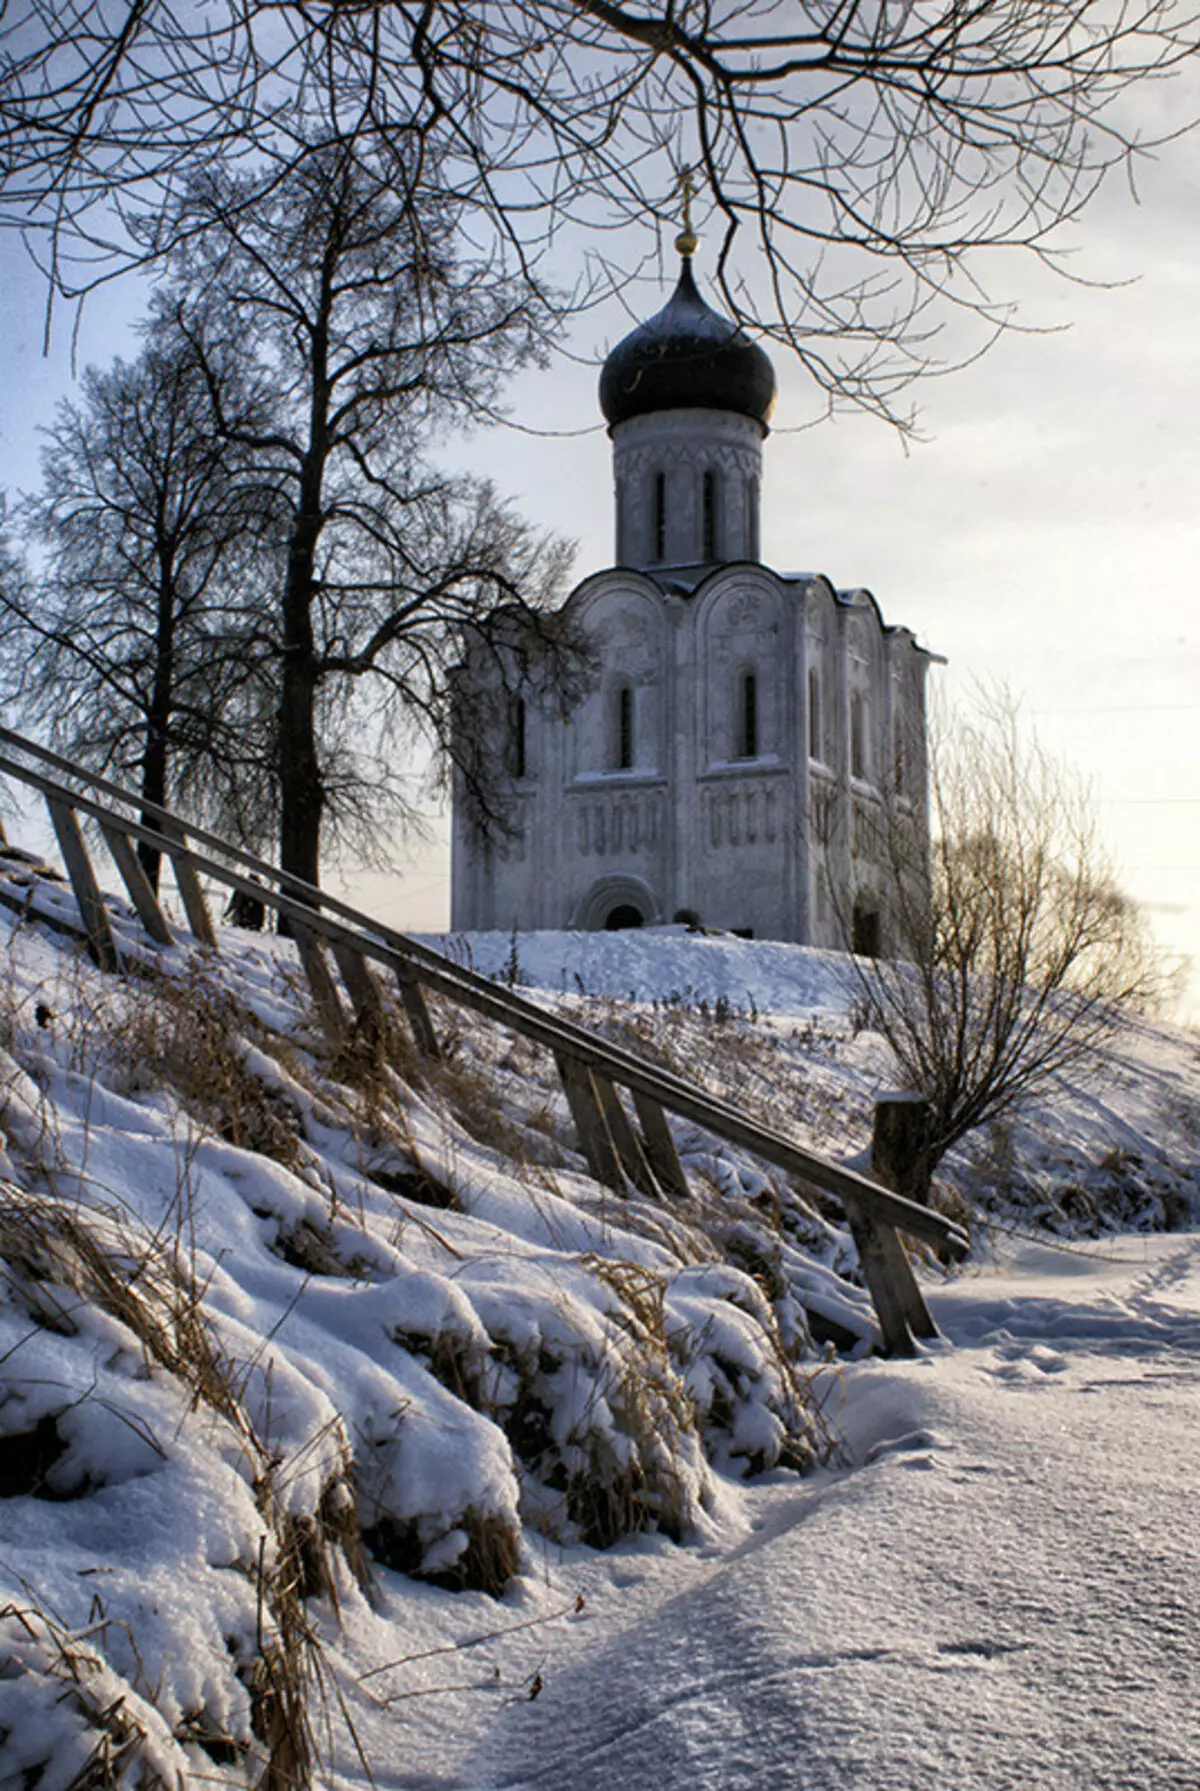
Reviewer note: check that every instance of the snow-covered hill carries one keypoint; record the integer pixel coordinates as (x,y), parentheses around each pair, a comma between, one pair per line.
(307,1359)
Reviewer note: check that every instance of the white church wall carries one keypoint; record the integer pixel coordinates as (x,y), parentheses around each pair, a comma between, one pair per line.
(745,874)
(613,814)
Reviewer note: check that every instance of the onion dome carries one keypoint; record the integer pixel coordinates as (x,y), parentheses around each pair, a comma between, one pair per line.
(687,358)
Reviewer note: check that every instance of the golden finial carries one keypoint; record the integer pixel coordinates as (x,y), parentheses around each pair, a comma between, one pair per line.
(687,242)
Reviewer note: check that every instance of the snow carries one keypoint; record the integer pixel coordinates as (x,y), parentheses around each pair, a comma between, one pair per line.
(997,1589)
(240,1292)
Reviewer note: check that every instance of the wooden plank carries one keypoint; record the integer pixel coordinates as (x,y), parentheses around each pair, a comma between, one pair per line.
(141,894)
(363,991)
(625,1140)
(187,881)
(326,999)
(417,1009)
(899,1303)
(92,911)
(660,1149)
(58,923)
(594,1139)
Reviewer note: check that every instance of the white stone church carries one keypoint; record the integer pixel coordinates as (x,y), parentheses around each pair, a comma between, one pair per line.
(747,728)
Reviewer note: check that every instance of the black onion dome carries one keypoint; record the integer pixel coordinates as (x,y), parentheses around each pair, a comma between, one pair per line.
(687,358)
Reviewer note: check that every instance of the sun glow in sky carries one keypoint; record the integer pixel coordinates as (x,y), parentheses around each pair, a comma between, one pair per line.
(1045,531)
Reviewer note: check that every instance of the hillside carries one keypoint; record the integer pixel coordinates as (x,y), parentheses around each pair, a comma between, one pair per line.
(308,1359)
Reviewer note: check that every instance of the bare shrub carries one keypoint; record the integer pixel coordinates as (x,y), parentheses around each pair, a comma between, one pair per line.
(1016,956)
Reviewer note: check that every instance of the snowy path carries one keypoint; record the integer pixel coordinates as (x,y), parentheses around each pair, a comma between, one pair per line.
(1006,1596)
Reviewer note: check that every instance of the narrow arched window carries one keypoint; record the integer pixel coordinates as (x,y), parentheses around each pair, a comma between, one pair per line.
(709,517)
(752,519)
(814,714)
(624,732)
(519,739)
(747,715)
(660,516)
(858,735)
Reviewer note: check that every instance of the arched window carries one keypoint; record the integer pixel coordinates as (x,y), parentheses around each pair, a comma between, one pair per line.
(746,719)
(660,516)
(859,762)
(752,519)
(518,755)
(623,729)
(708,549)
(866,931)
(815,750)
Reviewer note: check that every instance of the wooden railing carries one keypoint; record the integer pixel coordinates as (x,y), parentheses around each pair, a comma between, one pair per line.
(624,1149)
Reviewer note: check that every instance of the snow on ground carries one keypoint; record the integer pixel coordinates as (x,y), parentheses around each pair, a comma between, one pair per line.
(1121,1146)
(296,1352)
(998,1591)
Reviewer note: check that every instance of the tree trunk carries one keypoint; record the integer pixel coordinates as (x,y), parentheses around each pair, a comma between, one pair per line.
(302,796)
(158,715)
(301,786)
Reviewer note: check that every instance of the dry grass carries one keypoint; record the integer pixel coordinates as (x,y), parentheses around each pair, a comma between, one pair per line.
(56,1260)
(190,1033)
(122,1749)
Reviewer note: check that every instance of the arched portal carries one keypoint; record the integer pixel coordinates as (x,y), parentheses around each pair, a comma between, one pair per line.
(615,903)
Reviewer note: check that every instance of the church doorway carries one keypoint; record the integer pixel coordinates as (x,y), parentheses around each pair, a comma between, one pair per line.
(622,916)
(615,903)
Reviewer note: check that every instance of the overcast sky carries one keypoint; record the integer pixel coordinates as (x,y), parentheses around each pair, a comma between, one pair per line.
(1046,531)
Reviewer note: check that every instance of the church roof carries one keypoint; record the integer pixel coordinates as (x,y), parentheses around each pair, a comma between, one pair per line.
(687,357)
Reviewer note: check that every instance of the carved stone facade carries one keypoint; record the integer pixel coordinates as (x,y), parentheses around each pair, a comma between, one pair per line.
(762,815)
(748,732)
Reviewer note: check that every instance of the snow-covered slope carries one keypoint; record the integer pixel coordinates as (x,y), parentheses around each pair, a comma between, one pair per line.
(306,1359)
(1118,1145)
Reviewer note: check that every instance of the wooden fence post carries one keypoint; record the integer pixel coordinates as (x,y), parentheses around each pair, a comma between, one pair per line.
(660,1148)
(188,884)
(419,1019)
(363,991)
(898,1300)
(92,911)
(625,1141)
(324,990)
(594,1139)
(900,1141)
(141,892)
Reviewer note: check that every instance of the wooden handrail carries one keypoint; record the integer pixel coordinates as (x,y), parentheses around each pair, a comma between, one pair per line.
(355,936)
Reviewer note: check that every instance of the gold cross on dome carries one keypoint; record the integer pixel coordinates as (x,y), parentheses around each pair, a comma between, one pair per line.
(687,242)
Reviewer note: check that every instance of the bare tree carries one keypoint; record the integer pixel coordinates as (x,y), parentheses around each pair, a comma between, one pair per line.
(867,155)
(368,333)
(1016,956)
(133,647)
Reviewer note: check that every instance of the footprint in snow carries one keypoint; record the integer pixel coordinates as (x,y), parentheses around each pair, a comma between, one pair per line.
(908,1444)
(1025,1362)
(984,1648)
